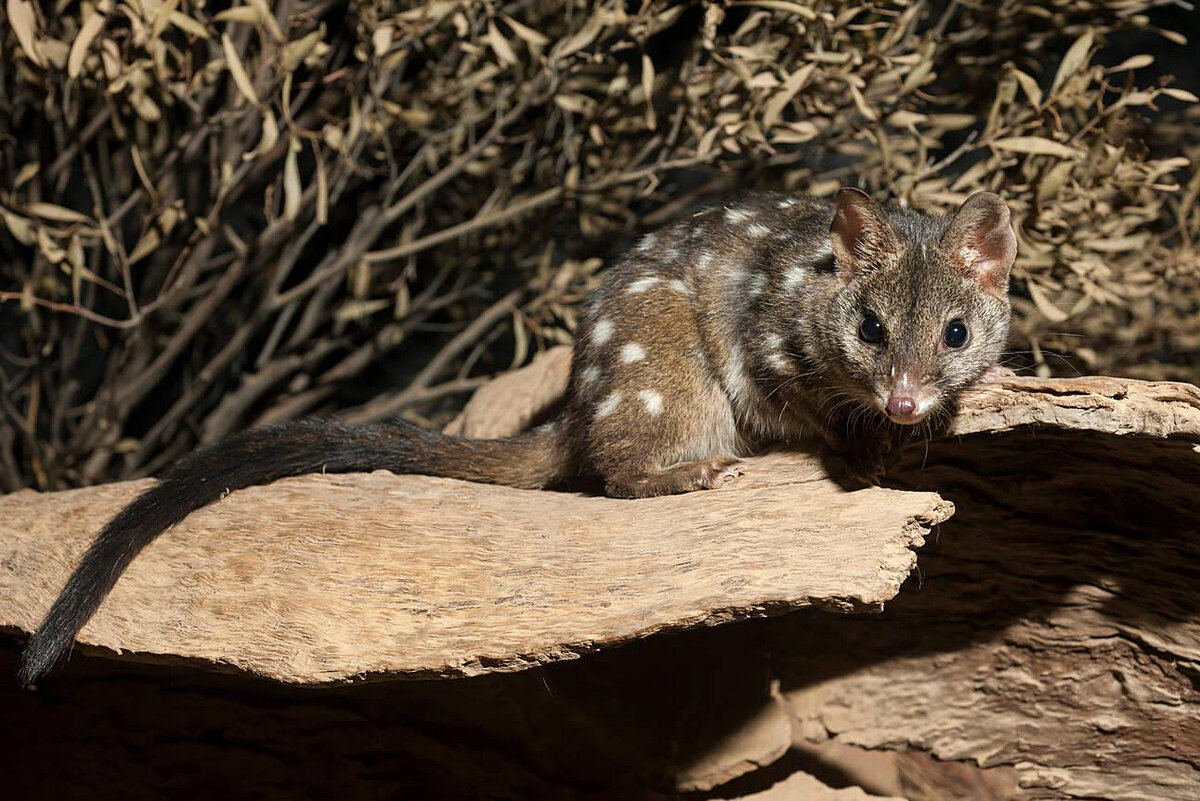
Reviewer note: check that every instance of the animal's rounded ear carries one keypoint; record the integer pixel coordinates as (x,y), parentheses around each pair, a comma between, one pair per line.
(860,235)
(981,242)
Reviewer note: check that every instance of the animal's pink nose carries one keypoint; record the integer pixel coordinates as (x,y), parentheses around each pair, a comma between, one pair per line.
(902,405)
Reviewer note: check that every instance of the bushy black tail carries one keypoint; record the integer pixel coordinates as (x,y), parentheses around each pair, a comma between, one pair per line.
(536,459)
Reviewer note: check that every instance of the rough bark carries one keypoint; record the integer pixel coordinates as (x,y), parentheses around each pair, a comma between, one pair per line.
(1051,634)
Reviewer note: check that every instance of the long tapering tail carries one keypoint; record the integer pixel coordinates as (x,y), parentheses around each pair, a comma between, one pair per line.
(535,459)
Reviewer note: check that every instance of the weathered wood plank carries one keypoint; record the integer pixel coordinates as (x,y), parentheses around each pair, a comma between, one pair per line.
(323,578)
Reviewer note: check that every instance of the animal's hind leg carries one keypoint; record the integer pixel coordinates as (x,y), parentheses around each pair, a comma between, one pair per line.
(657,420)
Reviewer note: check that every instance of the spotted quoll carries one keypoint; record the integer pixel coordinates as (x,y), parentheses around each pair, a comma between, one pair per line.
(777,316)
(767,319)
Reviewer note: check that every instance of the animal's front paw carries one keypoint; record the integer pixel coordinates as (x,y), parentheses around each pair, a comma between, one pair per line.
(716,473)
(858,467)
(683,477)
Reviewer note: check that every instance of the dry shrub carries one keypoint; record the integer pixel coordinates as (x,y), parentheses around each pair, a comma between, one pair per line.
(221,215)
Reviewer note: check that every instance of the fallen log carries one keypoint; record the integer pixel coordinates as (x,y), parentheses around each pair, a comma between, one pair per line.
(1051,634)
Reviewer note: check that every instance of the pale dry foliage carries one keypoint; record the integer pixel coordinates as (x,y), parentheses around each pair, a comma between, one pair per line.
(221,215)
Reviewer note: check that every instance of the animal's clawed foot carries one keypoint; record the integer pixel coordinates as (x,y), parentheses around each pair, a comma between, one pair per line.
(996,373)
(716,473)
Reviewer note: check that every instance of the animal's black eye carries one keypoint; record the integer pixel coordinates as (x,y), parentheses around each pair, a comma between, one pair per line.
(956,334)
(870,329)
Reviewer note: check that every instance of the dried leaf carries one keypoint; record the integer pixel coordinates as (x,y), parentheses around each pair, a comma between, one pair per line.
(292,190)
(240,78)
(23,230)
(294,53)
(148,243)
(49,248)
(270,137)
(24,24)
(529,35)
(861,103)
(79,48)
(188,25)
(581,39)
(267,17)
(381,39)
(500,45)
(50,211)
(353,310)
(1118,244)
(779,101)
(1073,61)
(1055,179)
(244,14)
(1047,309)
(1132,63)
(322,186)
(1030,87)
(161,18)
(1036,145)
(1180,94)
(648,89)
(782,5)
(574,103)
(25,174)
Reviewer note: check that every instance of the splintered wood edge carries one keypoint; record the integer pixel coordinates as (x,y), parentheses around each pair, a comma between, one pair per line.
(219,622)
(1118,406)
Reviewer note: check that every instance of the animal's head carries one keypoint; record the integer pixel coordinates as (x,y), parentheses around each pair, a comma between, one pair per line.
(922,310)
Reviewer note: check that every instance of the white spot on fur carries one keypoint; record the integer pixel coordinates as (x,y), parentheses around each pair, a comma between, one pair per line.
(609,405)
(642,284)
(633,352)
(590,375)
(647,243)
(757,230)
(777,361)
(704,260)
(773,341)
(680,286)
(758,282)
(786,203)
(793,278)
(670,254)
(653,401)
(602,331)
(734,272)
(736,215)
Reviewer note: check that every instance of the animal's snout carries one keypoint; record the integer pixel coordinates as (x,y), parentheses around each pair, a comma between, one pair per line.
(902,406)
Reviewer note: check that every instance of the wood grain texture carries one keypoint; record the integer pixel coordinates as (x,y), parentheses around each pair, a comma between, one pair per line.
(1120,406)
(325,578)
